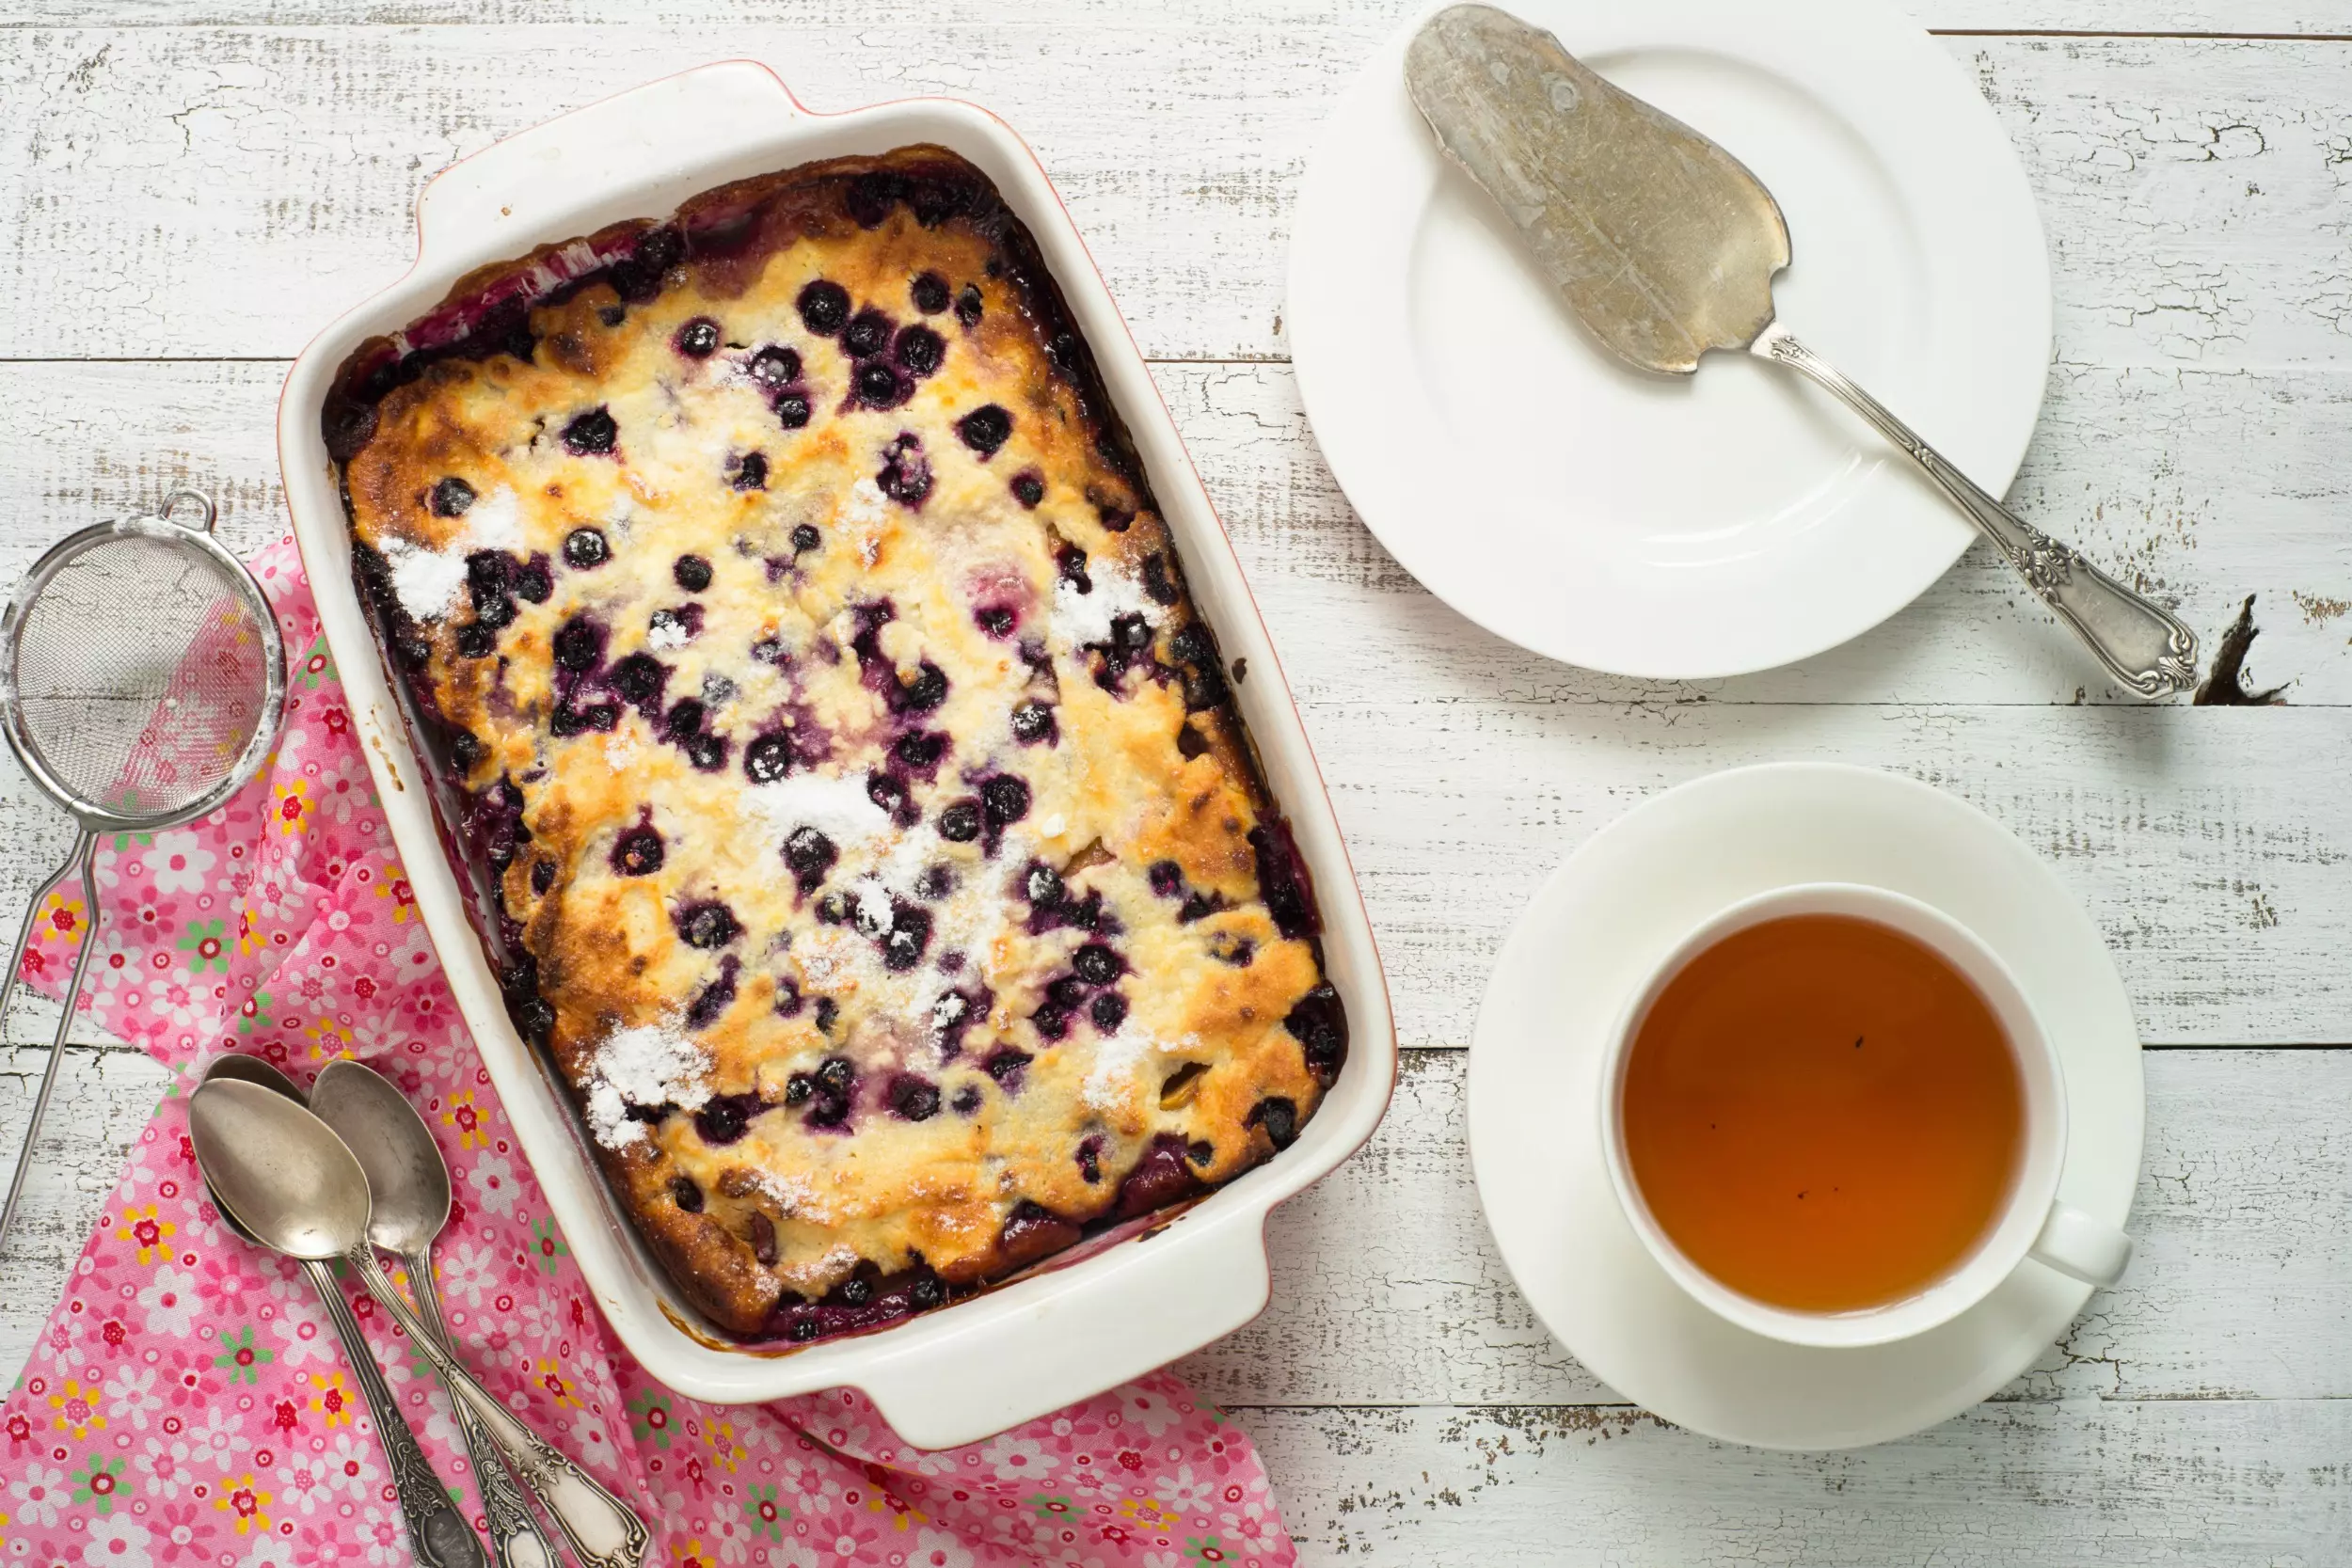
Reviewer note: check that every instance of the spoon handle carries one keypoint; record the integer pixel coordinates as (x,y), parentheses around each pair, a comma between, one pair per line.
(515,1539)
(438,1533)
(603,1532)
(2142,644)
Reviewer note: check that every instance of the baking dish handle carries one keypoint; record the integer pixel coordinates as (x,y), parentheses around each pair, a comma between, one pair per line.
(1172,1293)
(510,193)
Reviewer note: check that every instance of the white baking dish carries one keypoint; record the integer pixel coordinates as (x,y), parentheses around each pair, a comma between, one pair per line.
(1060,1333)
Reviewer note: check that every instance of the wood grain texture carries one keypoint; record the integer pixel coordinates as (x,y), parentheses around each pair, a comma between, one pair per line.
(2214,1485)
(2209,844)
(221,191)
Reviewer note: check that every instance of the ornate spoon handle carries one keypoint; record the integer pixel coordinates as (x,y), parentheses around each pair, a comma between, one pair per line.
(438,1533)
(2143,645)
(603,1532)
(515,1539)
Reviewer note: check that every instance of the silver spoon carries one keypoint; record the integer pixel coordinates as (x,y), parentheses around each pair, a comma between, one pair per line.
(302,1192)
(408,1204)
(1665,246)
(437,1532)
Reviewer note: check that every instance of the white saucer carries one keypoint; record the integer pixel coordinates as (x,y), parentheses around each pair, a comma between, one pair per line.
(1679,526)
(1611,913)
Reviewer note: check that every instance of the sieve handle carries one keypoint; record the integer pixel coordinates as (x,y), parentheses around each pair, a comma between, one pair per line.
(171,503)
(85,857)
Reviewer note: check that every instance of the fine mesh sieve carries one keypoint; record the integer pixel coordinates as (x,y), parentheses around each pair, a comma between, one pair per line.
(141,681)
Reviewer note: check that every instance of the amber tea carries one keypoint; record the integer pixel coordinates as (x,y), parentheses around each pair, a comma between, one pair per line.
(1822,1112)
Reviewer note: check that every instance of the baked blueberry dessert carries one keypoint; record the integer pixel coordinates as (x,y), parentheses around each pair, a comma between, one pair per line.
(852,801)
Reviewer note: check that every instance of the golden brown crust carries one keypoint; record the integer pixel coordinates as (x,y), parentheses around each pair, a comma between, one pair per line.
(897,642)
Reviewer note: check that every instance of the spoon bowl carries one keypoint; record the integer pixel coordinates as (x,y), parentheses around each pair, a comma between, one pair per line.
(246,1070)
(281,1171)
(407,1180)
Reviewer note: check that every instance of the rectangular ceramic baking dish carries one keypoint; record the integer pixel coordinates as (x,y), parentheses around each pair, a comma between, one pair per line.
(1101,1314)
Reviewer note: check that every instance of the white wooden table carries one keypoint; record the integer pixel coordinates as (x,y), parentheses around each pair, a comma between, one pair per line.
(190,188)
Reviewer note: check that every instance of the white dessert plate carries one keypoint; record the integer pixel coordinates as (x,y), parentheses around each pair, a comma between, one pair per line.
(1692,526)
(1599,926)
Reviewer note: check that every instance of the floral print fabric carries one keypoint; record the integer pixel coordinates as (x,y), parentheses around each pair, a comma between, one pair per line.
(188,1402)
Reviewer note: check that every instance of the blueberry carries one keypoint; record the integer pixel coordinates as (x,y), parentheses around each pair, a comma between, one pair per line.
(1319,1025)
(961,822)
(968,305)
(496,613)
(639,677)
(532,582)
(768,758)
(692,572)
(1028,488)
(1051,1022)
(1005,1066)
(724,1118)
(835,1074)
(450,497)
(585,547)
(1096,964)
(828,1011)
(487,576)
(477,640)
(805,538)
(914,1098)
(920,748)
(1090,1160)
(803,1330)
(1043,884)
(465,751)
(1109,1012)
(775,368)
(542,877)
(868,334)
(809,854)
(856,1292)
(824,306)
(686,1195)
(611,315)
(878,386)
(675,627)
(591,431)
(920,350)
(1068,992)
(637,852)
(1168,878)
(1279,1116)
(1157,585)
(909,935)
(935,883)
(711,1003)
(996,620)
(792,410)
(926,1291)
(1200,1151)
(929,293)
(1192,645)
(698,339)
(707,751)
(797,1088)
(579,644)
(1005,797)
(985,429)
(906,473)
(1070,563)
(752,472)
(925,691)
(1033,723)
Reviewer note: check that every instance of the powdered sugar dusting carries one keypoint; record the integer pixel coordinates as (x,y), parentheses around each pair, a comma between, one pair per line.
(838,808)
(1081,619)
(1112,1078)
(427,582)
(650,1065)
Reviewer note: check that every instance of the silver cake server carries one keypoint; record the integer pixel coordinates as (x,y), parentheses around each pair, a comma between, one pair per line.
(1665,246)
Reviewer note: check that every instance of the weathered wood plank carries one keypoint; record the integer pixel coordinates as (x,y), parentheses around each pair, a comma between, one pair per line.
(223,190)
(2236,17)
(2208,843)
(1388,1289)
(2007,1486)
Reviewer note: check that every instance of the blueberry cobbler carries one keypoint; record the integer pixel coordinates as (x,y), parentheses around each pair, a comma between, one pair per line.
(854,805)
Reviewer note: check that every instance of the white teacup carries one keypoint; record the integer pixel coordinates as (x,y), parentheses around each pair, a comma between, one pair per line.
(2033,1224)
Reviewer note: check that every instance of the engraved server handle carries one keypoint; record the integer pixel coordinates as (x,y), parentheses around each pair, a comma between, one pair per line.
(602,1530)
(437,1531)
(515,1539)
(2142,644)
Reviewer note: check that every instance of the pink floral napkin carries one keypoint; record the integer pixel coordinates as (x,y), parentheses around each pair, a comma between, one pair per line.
(188,1402)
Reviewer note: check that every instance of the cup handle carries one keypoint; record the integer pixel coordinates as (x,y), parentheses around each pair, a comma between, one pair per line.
(2081,1247)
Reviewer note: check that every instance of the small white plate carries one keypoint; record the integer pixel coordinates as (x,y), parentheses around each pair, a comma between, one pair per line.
(1679,526)
(1602,922)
